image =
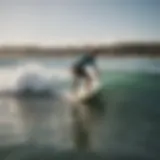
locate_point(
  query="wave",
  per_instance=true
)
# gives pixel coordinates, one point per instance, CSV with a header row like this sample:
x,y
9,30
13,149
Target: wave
x,y
32,79
35,78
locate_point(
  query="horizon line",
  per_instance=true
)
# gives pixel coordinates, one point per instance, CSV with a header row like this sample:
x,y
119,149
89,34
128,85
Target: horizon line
x,y
78,45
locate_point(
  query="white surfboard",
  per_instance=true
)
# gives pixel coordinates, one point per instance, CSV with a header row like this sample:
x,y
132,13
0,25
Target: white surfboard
x,y
83,93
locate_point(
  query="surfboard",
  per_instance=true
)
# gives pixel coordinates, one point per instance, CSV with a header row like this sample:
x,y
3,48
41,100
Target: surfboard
x,y
82,92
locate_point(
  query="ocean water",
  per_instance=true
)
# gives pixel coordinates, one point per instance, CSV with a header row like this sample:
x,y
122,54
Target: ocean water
x,y
120,122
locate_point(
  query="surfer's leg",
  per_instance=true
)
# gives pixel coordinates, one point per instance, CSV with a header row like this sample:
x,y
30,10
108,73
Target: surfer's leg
x,y
75,84
88,82
88,79
76,80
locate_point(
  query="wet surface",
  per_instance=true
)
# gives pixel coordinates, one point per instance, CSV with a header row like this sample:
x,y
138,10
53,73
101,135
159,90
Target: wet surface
x,y
120,122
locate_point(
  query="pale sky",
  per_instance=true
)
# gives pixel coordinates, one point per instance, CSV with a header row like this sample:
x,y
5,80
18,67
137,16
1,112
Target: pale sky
x,y
68,22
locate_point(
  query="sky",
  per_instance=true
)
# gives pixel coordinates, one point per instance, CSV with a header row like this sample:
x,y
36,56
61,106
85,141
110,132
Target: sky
x,y
78,22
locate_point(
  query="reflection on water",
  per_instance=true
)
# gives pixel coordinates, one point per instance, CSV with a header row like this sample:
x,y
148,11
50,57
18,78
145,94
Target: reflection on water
x,y
122,120
45,121
84,123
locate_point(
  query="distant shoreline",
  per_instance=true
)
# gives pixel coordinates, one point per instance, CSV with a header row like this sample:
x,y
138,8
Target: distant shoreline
x,y
65,56
116,50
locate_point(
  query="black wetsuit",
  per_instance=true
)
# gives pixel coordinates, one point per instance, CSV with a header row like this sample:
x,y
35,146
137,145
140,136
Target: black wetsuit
x,y
79,67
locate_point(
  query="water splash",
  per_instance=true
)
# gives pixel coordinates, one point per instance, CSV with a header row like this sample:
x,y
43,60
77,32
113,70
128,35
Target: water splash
x,y
32,76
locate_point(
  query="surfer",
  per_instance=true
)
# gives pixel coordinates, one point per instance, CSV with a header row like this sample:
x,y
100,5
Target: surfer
x,y
80,70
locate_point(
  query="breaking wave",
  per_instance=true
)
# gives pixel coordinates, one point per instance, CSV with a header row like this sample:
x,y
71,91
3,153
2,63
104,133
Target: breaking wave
x,y
32,78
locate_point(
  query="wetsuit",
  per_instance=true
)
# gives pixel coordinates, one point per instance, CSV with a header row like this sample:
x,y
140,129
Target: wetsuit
x,y
79,68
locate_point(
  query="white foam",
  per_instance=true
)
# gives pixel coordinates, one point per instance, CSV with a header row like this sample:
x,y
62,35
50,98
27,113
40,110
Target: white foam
x,y
33,76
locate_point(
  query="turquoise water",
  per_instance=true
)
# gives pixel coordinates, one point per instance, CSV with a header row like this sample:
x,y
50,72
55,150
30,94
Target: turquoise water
x,y
120,122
